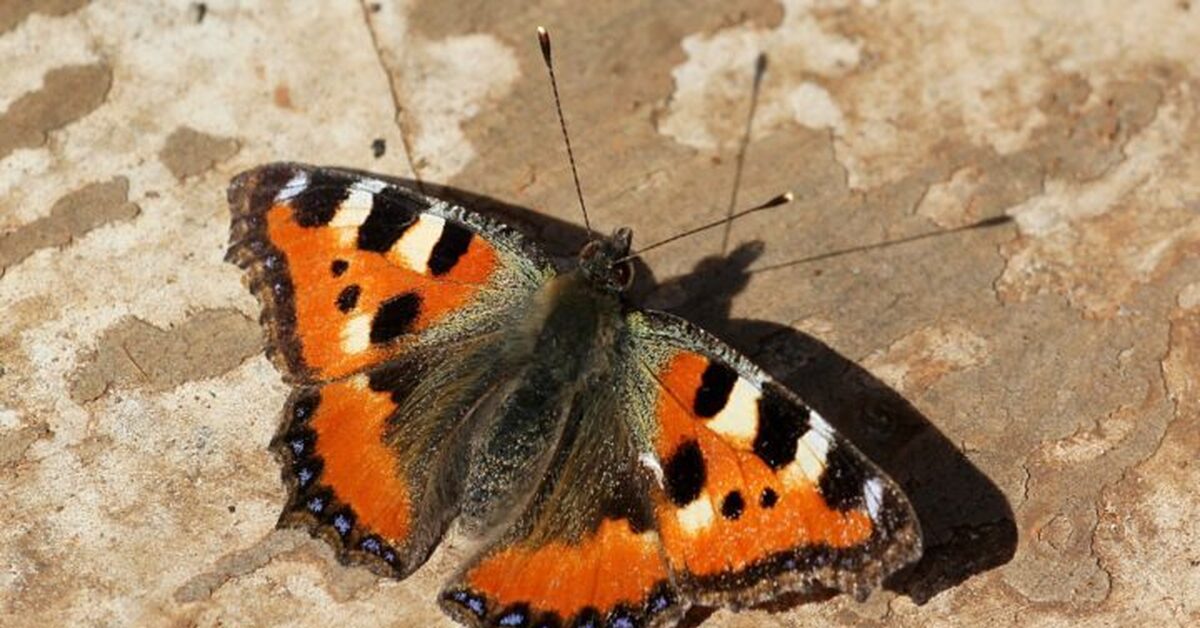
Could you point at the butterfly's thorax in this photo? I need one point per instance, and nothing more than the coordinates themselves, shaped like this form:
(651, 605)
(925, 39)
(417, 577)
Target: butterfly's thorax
(563, 345)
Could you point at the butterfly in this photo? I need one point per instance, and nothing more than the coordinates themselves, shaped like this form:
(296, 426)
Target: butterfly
(616, 465)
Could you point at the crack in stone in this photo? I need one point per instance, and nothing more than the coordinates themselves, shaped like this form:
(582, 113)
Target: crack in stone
(397, 108)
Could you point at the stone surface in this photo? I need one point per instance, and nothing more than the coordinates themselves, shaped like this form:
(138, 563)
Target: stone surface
(1034, 383)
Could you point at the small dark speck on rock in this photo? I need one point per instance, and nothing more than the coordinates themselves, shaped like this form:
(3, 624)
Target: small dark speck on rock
(378, 147)
(232, 509)
(375, 7)
(199, 11)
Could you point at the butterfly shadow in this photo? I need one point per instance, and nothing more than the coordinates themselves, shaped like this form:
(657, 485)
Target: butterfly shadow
(967, 522)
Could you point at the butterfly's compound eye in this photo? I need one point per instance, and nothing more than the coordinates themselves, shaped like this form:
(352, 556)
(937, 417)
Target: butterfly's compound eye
(622, 274)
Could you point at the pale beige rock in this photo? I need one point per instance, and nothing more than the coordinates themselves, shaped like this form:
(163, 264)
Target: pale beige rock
(1033, 384)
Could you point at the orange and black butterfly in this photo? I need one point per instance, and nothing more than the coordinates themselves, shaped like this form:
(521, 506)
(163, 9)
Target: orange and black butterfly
(619, 465)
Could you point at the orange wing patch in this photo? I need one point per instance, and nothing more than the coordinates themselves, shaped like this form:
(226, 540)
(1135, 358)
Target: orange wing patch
(614, 572)
(743, 469)
(361, 470)
(351, 305)
(349, 268)
(346, 483)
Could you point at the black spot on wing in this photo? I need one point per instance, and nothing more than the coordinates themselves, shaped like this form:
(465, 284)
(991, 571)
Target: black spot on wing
(304, 406)
(473, 602)
(715, 386)
(769, 498)
(397, 378)
(450, 247)
(395, 317)
(732, 506)
(548, 620)
(660, 599)
(587, 618)
(266, 186)
(684, 473)
(318, 202)
(781, 422)
(339, 267)
(391, 215)
(348, 297)
(842, 482)
(515, 616)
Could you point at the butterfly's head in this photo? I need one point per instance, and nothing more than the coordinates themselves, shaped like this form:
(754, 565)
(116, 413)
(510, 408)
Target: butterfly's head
(604, 261)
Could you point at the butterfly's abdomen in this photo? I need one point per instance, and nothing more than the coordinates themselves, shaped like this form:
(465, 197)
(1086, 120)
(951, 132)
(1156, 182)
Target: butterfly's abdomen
(566, 343)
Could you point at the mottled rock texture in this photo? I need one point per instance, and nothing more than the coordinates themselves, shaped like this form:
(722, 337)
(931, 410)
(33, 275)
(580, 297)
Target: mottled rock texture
(1035, 384)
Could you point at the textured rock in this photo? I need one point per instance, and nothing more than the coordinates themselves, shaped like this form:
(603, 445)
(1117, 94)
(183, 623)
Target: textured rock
(1033, 383)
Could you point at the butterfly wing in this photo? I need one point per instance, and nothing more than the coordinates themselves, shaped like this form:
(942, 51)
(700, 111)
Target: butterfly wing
(761, 496)
(353, 269)
(584, 551)
(384, 307)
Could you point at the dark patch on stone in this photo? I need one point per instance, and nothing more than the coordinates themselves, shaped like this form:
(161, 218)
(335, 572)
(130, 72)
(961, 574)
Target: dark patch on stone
(685, 473)
(395, 317)
(842, 482)
(188, 152)
(715, 386)
(387, 221)
(378, 147)
(13, 13)
(67, 94)
(348, 298)
(136, 354)
(316, 205)
(732, 506)
(449, 248)
(781, 422)
(73, 215)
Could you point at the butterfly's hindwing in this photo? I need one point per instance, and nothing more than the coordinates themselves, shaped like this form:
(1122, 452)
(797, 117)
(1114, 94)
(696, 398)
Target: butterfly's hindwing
(372, 461)
(584, 550)
(760, 495)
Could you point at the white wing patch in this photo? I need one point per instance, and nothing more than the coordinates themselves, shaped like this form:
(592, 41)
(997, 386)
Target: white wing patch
(738, 420)
(811, 451)
(697, 516)
(292, 188)
(873, 495)
(416, 245)
(356, 334)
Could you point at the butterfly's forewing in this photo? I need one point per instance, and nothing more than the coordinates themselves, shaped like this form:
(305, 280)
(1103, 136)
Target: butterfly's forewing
(385, 307)
(760, 495)
(353, 269)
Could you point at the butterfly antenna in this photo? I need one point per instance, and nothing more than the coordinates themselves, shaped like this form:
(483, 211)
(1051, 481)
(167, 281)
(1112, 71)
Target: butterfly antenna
(782, 199)
(544, 40)
(994, 221)
(760, 68)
